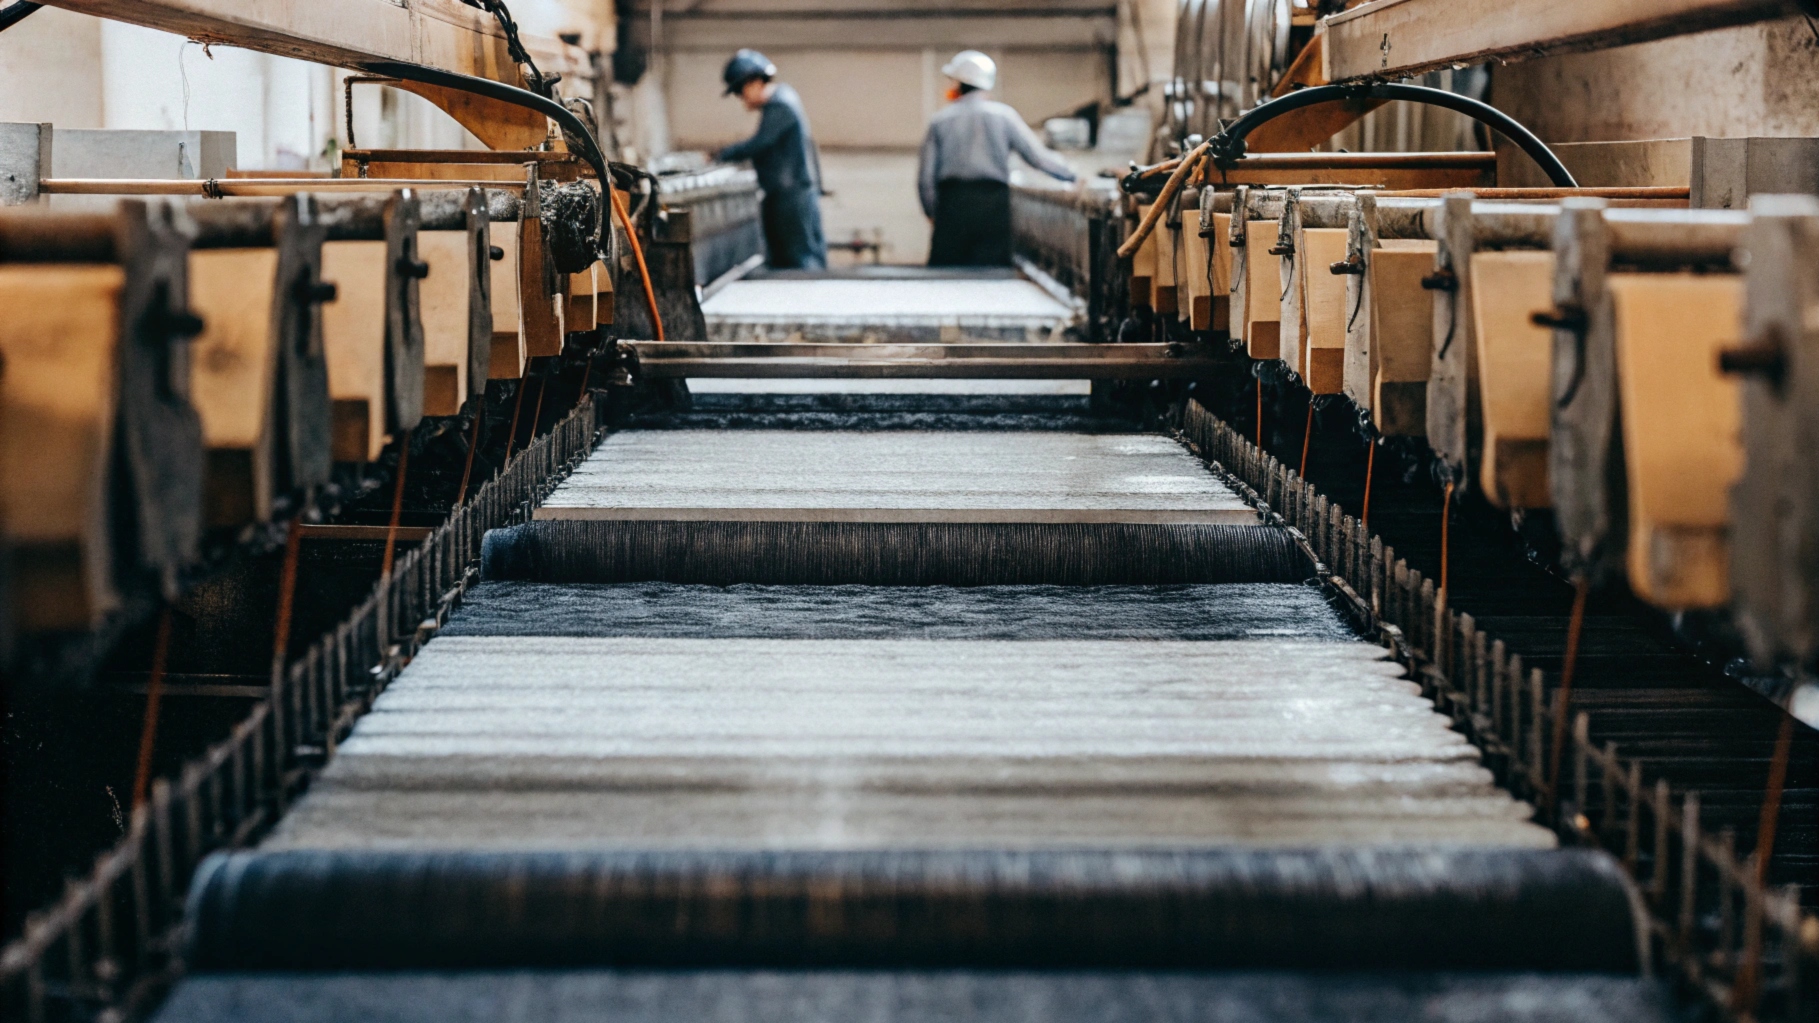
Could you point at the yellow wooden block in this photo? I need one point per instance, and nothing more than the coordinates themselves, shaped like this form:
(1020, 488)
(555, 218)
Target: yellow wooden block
(1196, 275)
(59, 339)
(444, 300)
(508, 318)
(1221, 241)
(582, 301)
(353, 339)
(1324, 311)
(1263, 296)
(1681, 431)
(1402, 335)
(1143, 266)
(1515, 373)
(1167, 281)
(233, 366)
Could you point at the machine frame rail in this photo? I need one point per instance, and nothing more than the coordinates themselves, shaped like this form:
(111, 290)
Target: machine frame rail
(966, 361)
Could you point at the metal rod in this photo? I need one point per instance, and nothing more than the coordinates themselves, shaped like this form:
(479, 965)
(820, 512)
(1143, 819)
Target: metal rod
(218, 188)
(154, 691)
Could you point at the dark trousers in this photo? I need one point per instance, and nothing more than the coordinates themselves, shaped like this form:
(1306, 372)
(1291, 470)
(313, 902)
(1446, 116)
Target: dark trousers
(972, 224)
(792, 230)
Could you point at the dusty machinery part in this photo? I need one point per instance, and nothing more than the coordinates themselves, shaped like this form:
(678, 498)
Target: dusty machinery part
(570, 214)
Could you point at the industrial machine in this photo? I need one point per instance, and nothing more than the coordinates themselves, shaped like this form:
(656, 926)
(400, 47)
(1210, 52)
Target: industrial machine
(1381, 590)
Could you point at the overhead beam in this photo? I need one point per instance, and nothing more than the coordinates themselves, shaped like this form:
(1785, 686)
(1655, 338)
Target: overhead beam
(1398, 38)
(443, 34)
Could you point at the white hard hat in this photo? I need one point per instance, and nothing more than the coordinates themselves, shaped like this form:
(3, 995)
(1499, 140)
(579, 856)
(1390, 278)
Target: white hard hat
(970, 67)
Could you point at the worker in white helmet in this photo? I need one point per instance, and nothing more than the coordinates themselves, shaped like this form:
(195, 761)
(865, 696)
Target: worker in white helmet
(966, 167)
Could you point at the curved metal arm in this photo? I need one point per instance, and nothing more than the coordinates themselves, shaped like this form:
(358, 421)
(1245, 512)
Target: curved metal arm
(13, 14)
(1228, 145)
(517, 97)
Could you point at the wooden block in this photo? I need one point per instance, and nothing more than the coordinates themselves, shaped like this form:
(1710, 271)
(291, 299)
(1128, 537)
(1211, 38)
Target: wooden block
(539, 298)
(59, 340)
(1293, 329)
(1681, 431)
(1221, 244)
(1323, 295)
(1361, 244)
(1402, 330)
(1774, 534)
(1168, 270)
(353, 338)
(508, 328)
(1514, 367)
(580, 313)
(1196, 258)
(1263, 295)
(1143, 267)
(233, 370)
(445, 304)
(1186, 270)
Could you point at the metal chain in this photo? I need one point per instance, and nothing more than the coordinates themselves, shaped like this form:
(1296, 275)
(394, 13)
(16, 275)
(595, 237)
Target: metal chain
(501, 13)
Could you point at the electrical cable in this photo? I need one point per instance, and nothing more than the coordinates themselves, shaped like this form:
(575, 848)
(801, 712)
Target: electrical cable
(13, 14)
(1227, 147)
(603, 168)
(514, 46)
(631, 234)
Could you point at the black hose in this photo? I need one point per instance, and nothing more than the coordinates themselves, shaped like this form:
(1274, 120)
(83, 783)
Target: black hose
(13, 14)
(517, 97)
(1228, 145)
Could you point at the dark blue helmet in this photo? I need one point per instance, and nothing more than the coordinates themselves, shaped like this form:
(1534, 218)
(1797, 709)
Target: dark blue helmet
(745, 66)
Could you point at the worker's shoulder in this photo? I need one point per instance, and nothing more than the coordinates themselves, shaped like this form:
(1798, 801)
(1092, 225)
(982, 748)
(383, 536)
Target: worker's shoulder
(973, 109)
(787, 97)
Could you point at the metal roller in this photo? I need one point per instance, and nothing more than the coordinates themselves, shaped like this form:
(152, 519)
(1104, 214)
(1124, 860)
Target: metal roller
(891, 554)
(1551, 910)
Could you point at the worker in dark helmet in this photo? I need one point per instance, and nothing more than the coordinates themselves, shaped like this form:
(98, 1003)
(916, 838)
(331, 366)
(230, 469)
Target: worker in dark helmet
(966, 167)
(783, 153)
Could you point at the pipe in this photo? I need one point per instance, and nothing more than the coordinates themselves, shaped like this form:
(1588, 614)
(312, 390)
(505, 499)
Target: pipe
(1163, 199)
(517, 97)
(1228, 145)
(14, 14)
(218, 188)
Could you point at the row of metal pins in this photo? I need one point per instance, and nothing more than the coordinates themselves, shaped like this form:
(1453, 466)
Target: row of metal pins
(77, 959)
(1689, 878)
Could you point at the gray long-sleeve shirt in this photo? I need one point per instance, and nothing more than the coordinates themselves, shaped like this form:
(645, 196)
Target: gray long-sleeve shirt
(972, 140)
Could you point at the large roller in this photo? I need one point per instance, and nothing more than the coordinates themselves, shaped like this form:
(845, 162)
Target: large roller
(1227, 909)
(893, 508)
(891, 553)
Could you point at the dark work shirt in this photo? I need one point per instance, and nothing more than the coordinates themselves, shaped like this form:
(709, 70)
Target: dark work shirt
(782, 151)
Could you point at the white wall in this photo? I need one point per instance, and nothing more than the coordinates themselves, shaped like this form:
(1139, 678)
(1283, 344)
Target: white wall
(76, 71)
(48, 66)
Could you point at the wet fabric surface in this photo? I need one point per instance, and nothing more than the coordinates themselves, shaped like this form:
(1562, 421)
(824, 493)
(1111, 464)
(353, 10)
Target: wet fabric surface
(728, 996)
(1198, 612)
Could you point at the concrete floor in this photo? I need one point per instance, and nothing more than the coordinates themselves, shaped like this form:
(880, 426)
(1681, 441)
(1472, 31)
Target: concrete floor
(894, 476)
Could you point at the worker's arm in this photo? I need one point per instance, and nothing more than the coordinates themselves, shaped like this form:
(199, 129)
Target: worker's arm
(771, 128)
(1034, 153)
(925, 174)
